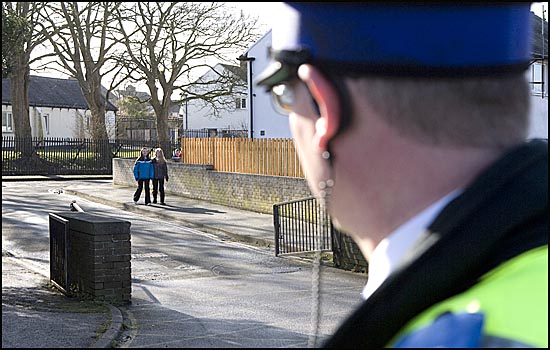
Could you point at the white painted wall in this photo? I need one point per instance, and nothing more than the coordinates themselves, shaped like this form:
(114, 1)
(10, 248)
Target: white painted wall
(538, 114)
(63, 122)
(200, 116)
(538, 117)
(265, 118)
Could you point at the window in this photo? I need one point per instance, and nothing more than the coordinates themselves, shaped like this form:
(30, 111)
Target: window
(240, 103)
(46, 124)
(7, 122)
(539, 79)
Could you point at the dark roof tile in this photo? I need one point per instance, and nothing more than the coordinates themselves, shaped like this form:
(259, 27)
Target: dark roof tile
(52, 92)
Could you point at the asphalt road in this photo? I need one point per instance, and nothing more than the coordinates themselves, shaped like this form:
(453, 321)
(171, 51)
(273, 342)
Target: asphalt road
(190, 288)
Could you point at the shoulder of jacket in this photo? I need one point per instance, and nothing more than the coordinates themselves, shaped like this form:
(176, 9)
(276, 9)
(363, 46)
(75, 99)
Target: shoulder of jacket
(450, 330)
(508, 282)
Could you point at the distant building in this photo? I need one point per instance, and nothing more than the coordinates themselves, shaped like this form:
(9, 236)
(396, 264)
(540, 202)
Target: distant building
(143, 127)
(232, 109)
(265, 121)
(57, 108)
(537, 75)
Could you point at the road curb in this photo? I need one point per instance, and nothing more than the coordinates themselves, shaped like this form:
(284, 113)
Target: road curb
(113, 331)
(20, 178)
(190, 223)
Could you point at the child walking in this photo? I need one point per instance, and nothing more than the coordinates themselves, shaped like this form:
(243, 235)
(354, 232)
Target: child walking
(161, 174)
(143, 173)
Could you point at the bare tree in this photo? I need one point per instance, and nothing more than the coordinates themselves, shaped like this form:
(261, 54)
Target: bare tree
(84, 47)
(19, 60)
(166, 43)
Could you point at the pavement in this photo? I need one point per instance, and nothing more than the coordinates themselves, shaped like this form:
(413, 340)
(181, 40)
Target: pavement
(36, 315)
(240, 225)
(31, 305)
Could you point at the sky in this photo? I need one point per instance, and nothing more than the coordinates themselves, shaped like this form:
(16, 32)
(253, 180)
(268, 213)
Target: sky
(537, 8)
(262, 10)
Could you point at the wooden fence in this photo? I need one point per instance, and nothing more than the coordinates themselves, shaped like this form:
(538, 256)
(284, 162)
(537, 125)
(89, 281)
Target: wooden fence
(274, 157)
(52, 156)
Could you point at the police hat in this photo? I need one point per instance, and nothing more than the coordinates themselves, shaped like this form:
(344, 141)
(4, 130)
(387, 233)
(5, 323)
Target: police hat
(401, 39)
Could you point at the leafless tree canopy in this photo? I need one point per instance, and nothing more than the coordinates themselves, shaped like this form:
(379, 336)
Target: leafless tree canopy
(19, 62)
(162, 44)
(167, 43)
(83, 45)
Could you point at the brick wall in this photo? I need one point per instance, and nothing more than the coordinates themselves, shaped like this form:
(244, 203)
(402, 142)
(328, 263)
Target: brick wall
(244, 191)
(347, 255)
(98, 261)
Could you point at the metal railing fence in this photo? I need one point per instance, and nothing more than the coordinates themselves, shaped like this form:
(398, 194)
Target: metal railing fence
(59, 252)
(66, 156)
(301, 226)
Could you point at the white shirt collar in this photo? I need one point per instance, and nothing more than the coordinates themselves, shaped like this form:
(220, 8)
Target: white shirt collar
(391, 249)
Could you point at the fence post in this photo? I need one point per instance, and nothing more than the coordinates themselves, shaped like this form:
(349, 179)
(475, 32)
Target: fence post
(277, 227)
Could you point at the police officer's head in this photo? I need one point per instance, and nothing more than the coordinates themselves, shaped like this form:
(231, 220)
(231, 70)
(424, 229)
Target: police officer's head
(441, 72)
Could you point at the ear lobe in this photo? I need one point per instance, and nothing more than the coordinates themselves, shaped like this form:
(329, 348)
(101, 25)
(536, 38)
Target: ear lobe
(327, 99)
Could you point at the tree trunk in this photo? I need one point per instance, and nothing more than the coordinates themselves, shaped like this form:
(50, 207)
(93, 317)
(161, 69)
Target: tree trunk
(163, 131)
(91, 89)
(98, 130)
(19, 80)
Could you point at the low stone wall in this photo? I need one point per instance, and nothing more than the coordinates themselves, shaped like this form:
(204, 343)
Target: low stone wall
(244, 191)
(347, 255)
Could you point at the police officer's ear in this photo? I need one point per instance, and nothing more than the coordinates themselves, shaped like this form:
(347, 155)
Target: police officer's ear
(327, 99)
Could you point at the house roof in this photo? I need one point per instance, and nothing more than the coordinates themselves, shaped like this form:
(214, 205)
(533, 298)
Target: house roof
(52, 92)
(239, 71)
(174, 108)
(539, 47)
(140, 95)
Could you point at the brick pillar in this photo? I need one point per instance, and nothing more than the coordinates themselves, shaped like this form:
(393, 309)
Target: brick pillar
(99, 256)
(346, 253)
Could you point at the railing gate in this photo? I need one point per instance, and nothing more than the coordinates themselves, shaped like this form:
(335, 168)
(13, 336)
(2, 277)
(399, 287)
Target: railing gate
(300, 225)
(59, 245)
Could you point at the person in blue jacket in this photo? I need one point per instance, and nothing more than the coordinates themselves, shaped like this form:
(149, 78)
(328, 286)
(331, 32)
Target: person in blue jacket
(411, 122)
(143, 174)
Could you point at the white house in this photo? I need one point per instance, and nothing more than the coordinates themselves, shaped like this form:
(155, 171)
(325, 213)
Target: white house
(537, 76)
(57, 108)
(232, 114)
(265, 121)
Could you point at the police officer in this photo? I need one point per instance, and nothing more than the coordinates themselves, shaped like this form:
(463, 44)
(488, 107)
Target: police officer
(411, 121)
